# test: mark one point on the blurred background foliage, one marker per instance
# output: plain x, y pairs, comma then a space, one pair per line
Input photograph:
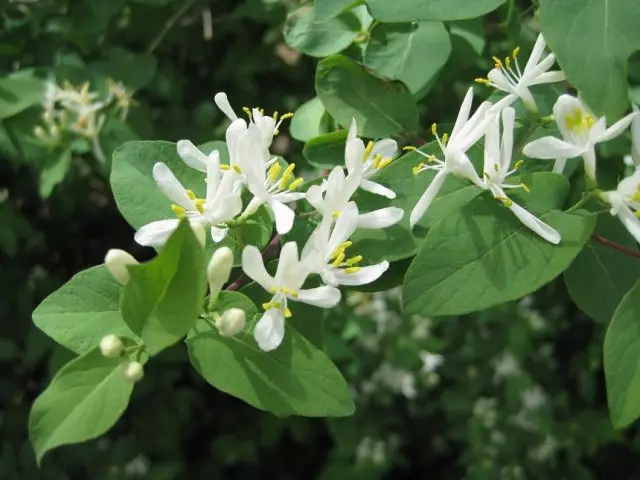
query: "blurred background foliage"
513, 392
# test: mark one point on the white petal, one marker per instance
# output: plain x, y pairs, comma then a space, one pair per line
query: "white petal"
558, 166
492, 148
543, 66
314, 197
323, 297
156, 234
354, 153
630, 221
191, 155
635, 136
377, 189
353, 130
536, 53
551, 148
171, 186
290, 271
589, 159
218, 234
346, 224
463, 113
617, 128
223, 104
253, 267
549, 77
566, 105
286, 197
535, 224
476, 127
235, 134
335, 189
382, 218
363, 276
213, 174
497, 77
387, 147
427, 197
503, 103
284, 216
506, 148
461, 165
269, 331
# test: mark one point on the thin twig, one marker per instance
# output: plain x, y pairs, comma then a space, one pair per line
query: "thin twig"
169, 25
268, 253
616, 246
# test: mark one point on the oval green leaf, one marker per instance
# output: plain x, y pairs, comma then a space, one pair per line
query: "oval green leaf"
412, 10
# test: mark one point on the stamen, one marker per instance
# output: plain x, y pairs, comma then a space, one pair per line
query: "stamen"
294, 293
191, 195
515, 53
267, 306
352, 270
284, 181
335, 214
385, 163
507, 62
367, 151
445, 137
346, 244
434, 129
505, 200
199, 202
418, 168
236, 168
518, 164
285, 290
247, 110
431, 158
224, 166
339, 259
409, 149
274, 171
296, 183
498, 62
273, 290
178, 210
525, 187
377, 158
353, 260
276, 304
286, 116
287, 313
483, 81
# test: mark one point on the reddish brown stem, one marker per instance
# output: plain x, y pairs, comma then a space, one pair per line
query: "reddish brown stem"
267, 254
616, 246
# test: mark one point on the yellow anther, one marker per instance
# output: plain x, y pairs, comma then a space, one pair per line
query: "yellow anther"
568, 122
483, 81
274, 171
353, 260
294, 293
261, 110
337, 252
275, 116
589, 120
296, 183
385, 163
352, 270
287, 313
285, 290
367, 151
486, 175
286, 176
431, 158
276, 304
418, 168
377, 158
236, 168
409, 149
335, 214
199, 203
505, 200
445, 137
515, 53
273, 290
339, 259
525, 187
190, 194
518, 164
286, 116
434, 128
636, 197
507, 62
224, 166
178, 210
247, 110
267, 306
346, 244
498, 62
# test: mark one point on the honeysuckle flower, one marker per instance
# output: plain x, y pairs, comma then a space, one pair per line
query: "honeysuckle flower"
325, 252
221, 204
580, 131
285, 286
116, 261
634, 157
231, 322
111, 346
133, 371
466, 132
268, 125
376, 156
497, 168
625, 203
508, 77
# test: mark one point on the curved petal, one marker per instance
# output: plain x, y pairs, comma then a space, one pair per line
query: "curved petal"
213, 174
223, 104
630, 221
191, 155
323, 297
549, 77
218, 234
535, 224
463, 113
254, 268
387, 147
269, 331
314, 197
346, 224
506, 147
566, 106
492, 164
353, 130
536, 53
503, 103
382, 218
234, 135
155, 234
617, 128
559, 164
171, 186
286, 197
363, 276
497, 77
589, 160
427, 197
354, 155
377, 189
283, 215
550, 148
335, 189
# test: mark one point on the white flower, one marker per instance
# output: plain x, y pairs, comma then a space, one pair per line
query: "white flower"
111, 346
133, 371
625, 203
533, 398
222, 203
497, 161
515, 82
430, 361
231, 322
116, 262
376, 156
285, 286
325, 252
634, 158
466, 132
580, 130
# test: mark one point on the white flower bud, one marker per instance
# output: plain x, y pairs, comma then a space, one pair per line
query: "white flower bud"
231, 322
198, 231
111, 346
116, 262
133, 371
219, 268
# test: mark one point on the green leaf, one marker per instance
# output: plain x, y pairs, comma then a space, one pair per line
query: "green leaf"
294, 379
83, 310
380, 107
134, 70
484, 256
413, 53
164, 297
412, 10
622, 360
599, 276
310, 120
610, 28
54, 173
18, 94
327, 9
84, 400
113, 135
319, 39
326, 151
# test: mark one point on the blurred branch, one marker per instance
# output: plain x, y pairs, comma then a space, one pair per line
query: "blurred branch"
169, 25
616, 246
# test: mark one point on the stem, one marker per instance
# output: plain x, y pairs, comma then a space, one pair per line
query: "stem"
585, 198
616, 246
169, 25
97, 150
267, 254
507, 21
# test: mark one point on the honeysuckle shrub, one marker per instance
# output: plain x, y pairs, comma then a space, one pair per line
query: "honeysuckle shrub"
425, 167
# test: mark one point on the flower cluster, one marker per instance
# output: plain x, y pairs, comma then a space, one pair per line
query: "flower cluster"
581, 130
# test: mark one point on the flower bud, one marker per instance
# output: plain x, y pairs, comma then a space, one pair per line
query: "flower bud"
111, 346
219, 268
231, 322
133, 371
116, 262
198, 231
